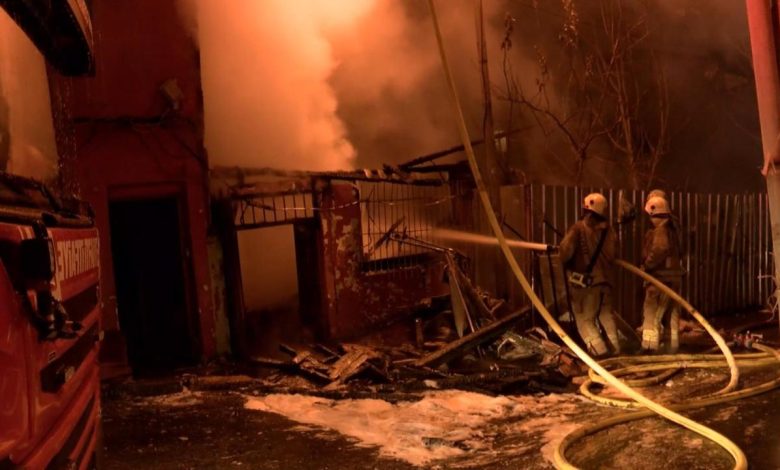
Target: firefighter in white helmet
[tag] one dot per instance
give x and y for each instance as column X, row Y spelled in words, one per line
column 587, row 252
column 661, row 258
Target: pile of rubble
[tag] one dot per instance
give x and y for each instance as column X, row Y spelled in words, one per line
column 490, row 360
column 469, row 345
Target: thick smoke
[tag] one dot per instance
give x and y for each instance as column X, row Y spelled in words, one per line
column 320, row 84
column 301, row 84
column 394, row 105
column 265, row 69
column 716, row 145
column 389, row 82
column 304, row 84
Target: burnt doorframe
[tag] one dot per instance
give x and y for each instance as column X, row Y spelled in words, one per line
column 308, row 249
column 177, row 192
column 307, row 233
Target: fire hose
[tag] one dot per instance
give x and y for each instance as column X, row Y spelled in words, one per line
column 671, row 413
column 754, row 360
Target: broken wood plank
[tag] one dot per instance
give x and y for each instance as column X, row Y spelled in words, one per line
column 471, row 340
column 348, row 365
column 275, row 363
column 292, row 367
column 332, row 355
column 488, row 376
column 287, row 349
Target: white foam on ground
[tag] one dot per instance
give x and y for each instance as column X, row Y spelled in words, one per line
column 443, row 424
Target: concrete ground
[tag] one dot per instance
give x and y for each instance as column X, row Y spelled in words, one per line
column 218, row 433
column 242, row 424
column 215, row 430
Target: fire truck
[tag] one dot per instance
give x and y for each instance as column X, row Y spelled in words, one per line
column 49, row 286
column 49, row 329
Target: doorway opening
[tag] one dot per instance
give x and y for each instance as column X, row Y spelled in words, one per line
column 150, row 272
column 268, row 261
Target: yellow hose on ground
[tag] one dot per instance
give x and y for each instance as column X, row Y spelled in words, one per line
column 678, row 361
column 740, row 462
column 695, row 403
column 652, row 358
column 734, row 381
column 667, row 367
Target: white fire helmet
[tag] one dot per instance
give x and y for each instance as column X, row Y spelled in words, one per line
column 595, row 202
column 656, row 193
column 657, row 206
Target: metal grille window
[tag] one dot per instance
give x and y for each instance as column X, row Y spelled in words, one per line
column 415, row 210
column 265, row 210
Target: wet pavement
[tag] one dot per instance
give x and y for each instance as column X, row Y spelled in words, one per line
column 214, row 430
column 654, row 443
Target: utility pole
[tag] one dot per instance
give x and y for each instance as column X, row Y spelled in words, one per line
column 492, row 162
column 762, row 16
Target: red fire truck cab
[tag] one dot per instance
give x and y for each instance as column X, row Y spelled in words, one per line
column 49, row 329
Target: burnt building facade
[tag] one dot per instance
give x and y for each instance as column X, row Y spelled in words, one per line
column 130, row 142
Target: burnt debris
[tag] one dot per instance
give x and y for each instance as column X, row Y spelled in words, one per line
column 483, row 353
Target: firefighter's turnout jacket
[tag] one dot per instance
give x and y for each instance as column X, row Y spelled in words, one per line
column 661, row 257
column 592, row 303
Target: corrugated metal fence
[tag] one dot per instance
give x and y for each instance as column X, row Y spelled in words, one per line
column 725, row 237
column 726, row 242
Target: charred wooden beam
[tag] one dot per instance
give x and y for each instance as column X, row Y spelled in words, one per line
column 291, row 367
column 411, row 164
column 471, row 340
column 386, row 175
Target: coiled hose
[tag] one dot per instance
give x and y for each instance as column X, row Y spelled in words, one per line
column 767, row 355
column 740, row 462
column 734, row 380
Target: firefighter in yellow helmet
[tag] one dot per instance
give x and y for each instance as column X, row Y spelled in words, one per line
column 661, row 258
column 587, row 251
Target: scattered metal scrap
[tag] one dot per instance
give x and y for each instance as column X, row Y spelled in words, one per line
column 401, row 370
column 470, row 345
column 489, row 358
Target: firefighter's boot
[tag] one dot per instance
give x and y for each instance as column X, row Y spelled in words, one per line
column 586, row 303
column 607, row 320
column 672, row 330
column 653, row 312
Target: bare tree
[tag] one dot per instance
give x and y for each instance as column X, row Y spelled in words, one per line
column 607, row 90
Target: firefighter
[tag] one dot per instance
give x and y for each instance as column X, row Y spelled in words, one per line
column 661, row 258
column 587, row 252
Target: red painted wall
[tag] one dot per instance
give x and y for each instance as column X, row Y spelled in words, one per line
column 118, row 136
column 355, row 300
column 139, row 44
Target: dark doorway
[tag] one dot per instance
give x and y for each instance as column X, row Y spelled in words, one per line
column 309, row 283
column 147, row 250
